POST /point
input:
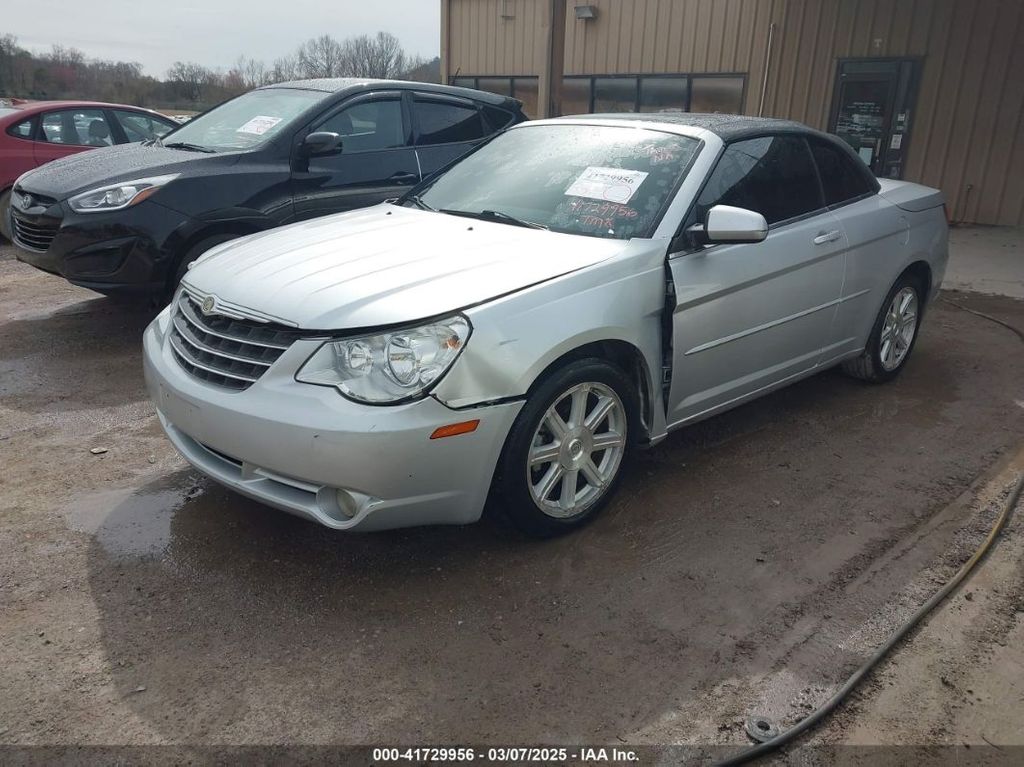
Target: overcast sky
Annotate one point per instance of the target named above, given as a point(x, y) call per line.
point(213, 32)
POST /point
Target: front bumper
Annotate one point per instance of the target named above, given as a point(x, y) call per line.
point(309, 451)
point(120, 251)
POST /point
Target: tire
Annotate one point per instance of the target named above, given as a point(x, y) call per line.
point(886, 354)
point(5, 206)
point(191, 255)
point(535, 497)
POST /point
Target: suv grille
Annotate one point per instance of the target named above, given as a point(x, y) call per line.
point(224, 351)
point(34, 235)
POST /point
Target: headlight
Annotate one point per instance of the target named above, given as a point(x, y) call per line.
point(118, 196)
point(388, 367)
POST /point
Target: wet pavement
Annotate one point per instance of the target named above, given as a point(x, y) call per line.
point(141, 603)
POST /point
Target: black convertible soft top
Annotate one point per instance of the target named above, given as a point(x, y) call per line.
point(731, 128)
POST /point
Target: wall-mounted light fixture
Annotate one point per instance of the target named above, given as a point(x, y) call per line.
point(506, 10)
point(586, 12)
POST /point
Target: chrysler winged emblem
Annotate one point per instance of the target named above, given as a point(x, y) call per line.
point(209, 304)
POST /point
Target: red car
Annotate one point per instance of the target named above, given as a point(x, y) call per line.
point(36, 132)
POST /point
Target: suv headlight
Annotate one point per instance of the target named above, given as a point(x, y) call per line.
point(388, 367)
point(118, 196)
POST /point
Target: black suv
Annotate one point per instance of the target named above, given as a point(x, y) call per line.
point(130, 218)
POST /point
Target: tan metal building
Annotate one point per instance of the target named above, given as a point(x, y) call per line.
point(925, 90)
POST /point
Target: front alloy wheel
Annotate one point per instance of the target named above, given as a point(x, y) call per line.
point(577, 449)
point(565, 452)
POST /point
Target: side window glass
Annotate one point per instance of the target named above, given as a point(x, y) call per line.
point(773, 175)
point(442, 122)
point(21, 130)
point(78, 127)
point(840, 177)
point(368, 125)
point(141, 127)
point(496, 118)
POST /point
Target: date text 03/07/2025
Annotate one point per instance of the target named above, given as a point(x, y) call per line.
point(505, 754)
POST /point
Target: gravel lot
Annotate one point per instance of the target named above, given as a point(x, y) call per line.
point(750, 561)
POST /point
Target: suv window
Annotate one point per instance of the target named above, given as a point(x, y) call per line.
point(497, 118)
point(368, 125)
point(138, 126)
point(445, 122)
point(773, 175)
point(78, 127)
point(840, 176)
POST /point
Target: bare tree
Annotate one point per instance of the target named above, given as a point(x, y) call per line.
point(190, 79)
point(321, 57)
point(249, 73)
point(285, 68)
point(379, 56)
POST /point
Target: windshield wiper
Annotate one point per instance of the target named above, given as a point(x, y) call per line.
point(495, 215)
point(189, 147)
point(416, 200)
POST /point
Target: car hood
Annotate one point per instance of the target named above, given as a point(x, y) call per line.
point(384, 265)
point(81, 172)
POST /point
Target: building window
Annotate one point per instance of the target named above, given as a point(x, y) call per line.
point(522, 88)
point(614, 94)
point(664, 94)
point(575, 96)
point(653, 93)
point(716, 94)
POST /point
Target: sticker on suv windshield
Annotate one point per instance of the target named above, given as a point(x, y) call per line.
point(259, 125)
point(610, 184)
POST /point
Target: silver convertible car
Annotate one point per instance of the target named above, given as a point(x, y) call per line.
point(514, 327)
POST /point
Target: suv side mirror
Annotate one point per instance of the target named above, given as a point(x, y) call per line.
point(321, 143)
point(725, 223)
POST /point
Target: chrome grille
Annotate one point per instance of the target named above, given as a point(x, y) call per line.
point(224, 351)
point(33, 235)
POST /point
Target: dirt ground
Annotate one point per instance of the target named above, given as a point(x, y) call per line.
point(749, 564)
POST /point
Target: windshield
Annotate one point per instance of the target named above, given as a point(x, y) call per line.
point(246, 121)
point(582, 179)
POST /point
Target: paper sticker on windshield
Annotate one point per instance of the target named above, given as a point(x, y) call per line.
point(259, 125)
point(610, 184)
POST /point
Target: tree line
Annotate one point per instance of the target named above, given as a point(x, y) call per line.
point(66, 73)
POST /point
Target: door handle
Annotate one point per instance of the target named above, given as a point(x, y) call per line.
point(824, 237)
point(404, 177)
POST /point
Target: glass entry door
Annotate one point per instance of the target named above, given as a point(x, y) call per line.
point(871, 110)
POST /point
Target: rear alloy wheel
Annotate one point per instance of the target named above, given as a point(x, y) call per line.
point(899, 329)
point(892, 336)
point(566, 450)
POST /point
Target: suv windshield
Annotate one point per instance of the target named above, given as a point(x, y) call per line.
point(246, 121)
point(581, 179)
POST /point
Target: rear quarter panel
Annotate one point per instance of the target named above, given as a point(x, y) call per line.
point(884, 240)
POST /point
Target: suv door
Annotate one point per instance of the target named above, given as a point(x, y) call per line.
point(446, 128)
point(376, 161)
point(750, 316)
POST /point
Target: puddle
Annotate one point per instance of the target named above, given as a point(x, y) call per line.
point(146, 530)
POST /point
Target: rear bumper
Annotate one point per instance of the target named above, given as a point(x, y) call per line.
point(309, 451)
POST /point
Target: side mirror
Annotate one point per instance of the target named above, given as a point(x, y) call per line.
point(321, 143)
point(725, 223)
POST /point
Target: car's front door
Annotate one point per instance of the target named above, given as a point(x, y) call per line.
point(749, 316)
point(377, 160)
point(446, 128)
